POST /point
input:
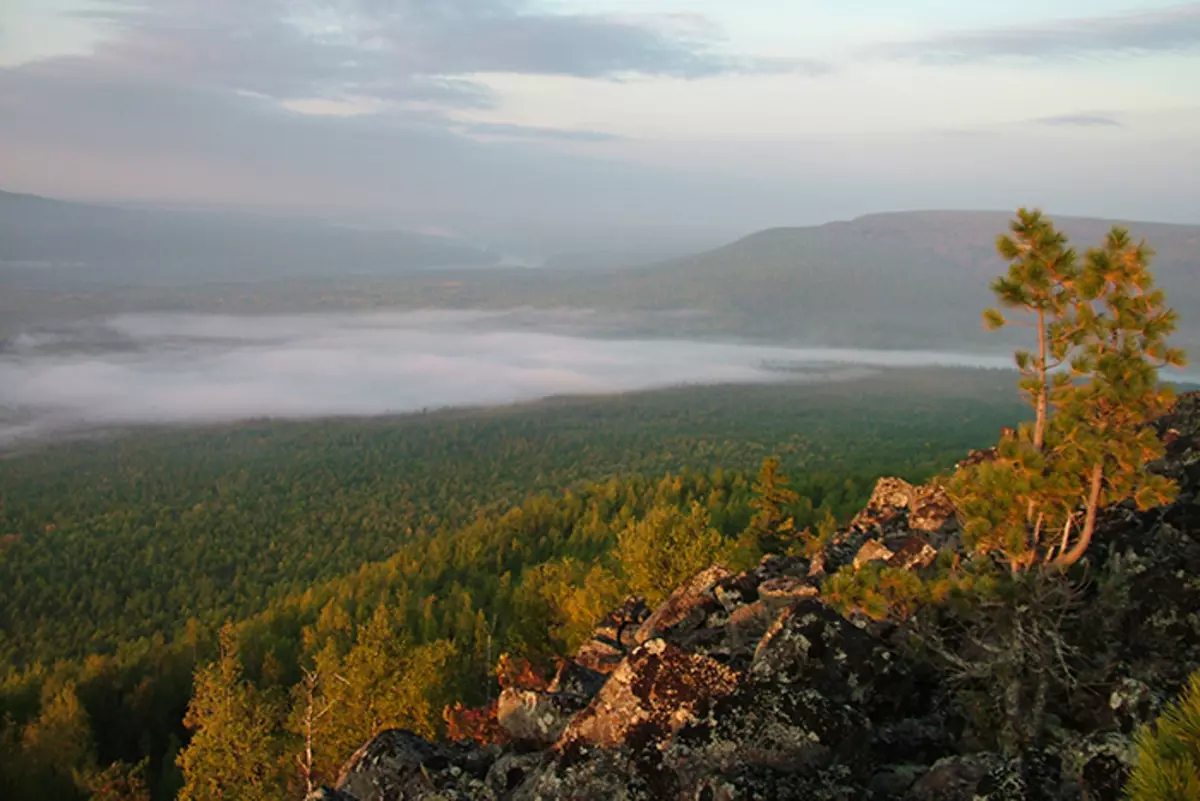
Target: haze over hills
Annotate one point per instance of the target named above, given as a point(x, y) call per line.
point(893, 280)
point(906, 278)
point(52, 243)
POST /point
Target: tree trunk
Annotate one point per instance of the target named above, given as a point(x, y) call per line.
point(1039, 430)
point(1089, 525)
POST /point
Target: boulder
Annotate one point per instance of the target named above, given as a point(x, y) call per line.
point(686, 608)
point(778, 594)
point(811, 645)
point(536, 717)
point(398, 764)
point(656, 691)
point(871, 551)
point(953, 778)
point(613, 637)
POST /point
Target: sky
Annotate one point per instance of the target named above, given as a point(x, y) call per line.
point(607, 115)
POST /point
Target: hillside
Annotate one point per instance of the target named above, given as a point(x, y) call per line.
point(52, 243)
point(769, 684)
point(912, 279)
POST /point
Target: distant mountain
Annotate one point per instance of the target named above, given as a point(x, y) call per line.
point(50, 242)
point(911, 279)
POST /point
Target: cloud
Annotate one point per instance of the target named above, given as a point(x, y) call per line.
point(1079, 121)
point(1172, 29)
point(167, 368)
point(508, 130)
point(406, 51)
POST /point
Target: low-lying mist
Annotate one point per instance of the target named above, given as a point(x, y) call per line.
point(186, 368)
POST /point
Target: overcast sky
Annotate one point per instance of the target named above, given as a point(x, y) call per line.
point(455, 114)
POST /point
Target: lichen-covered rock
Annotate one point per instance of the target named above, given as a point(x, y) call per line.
point(931, 508)
point(656, 691)
point(574, 679)
point(1100, 764)
point(613, 637)
point(398, 765)
point(592, 773)
point(871, 551)
point(1034, 776)
point(766, 725)
point(913, 554)
point(811, 645)
point(756, 783)
point(686, 608)
point(953, 778)
point(779, 593)
point(533, 716)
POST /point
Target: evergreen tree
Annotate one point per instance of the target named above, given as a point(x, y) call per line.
point(667, 547)
point(772, 500)
point(1037, 501)
point(56, 747)
point(234, 750)
point(383, 682)
point(1103, 440)
point(1040, 283)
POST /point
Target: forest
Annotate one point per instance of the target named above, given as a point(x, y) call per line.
point(296, 550)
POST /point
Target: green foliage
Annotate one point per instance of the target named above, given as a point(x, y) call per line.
point(1040, 282)
point(234, 750)
point(874, 590)
point(1168, 752)
point(491, 563)
point(667, 547)
point(382, 682)
point(1036, 502)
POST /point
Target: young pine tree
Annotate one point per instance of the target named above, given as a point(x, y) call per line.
point(1039, 285)
point(233, 753)
point(771, 525)
point(1036, 503)
point(1102, 440)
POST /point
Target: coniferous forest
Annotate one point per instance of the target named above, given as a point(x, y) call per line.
point(477, 532)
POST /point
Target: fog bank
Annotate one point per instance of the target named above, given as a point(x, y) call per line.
point(186, 368)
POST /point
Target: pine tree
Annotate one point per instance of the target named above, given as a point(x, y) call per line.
point(1168, 752)
point(1037, 501)
point(1040, 283)
point(771, 523)
point(382, 682)
point(667, 547)
point(234, 750)
point(56, 747)
point(1102, 438)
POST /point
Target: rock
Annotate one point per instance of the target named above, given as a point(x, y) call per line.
point(1100, 764)
point(770, 784)
point(871, 551)
point(592, 773)
point(656, 691)
point(1034, 776)
point(574, 679)
point(765, 725)
point(813, 646)
point(613, 637)
point(532, 716)
point(686, 608)
point(510, 771)
point(953, 778)
point(915, 553)
point(398, 764)
point(779, 593)
point(931, 509)
point(891, 492)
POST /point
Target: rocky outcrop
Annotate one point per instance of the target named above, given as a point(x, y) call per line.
point(749, 686)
